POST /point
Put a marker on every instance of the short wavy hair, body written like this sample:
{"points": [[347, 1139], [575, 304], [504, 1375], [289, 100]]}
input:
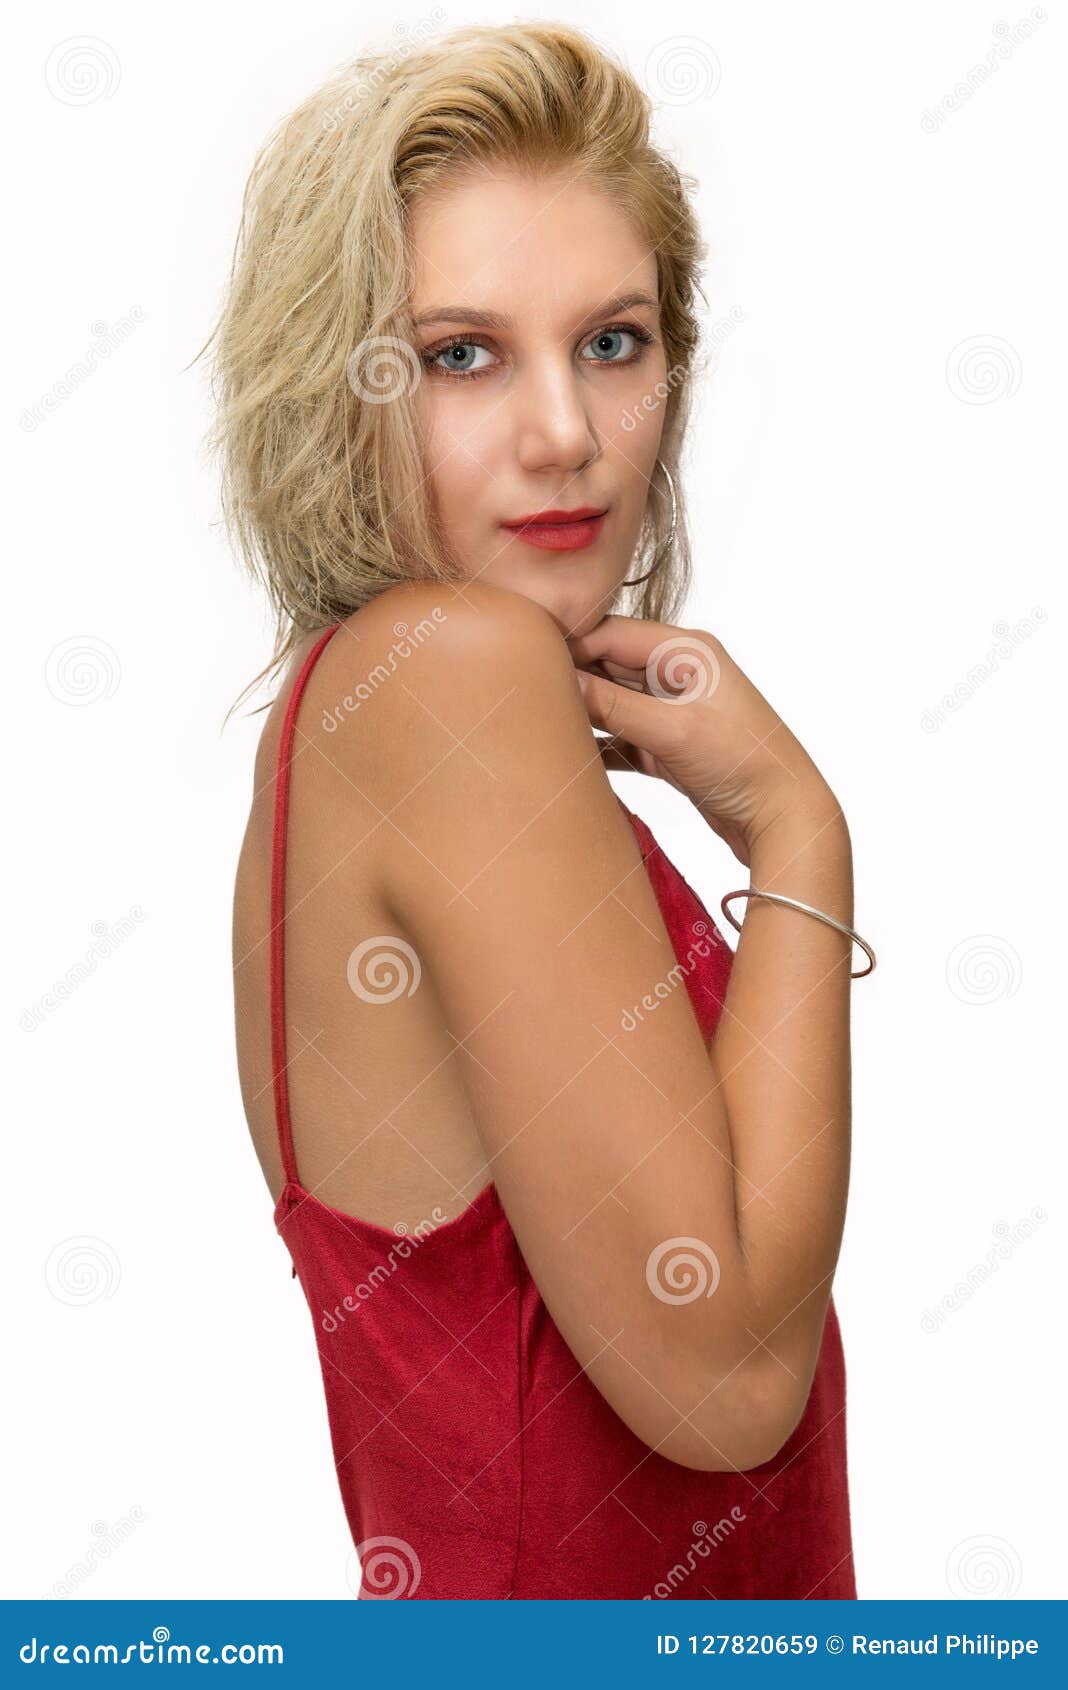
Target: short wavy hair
{"points": [[323, 486]]}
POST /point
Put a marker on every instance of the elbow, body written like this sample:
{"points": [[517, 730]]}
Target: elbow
{"points": [[742, 1450], [749, 1426]]}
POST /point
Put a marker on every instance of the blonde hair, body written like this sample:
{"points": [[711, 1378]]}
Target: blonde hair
{"points": [[324, 490]]}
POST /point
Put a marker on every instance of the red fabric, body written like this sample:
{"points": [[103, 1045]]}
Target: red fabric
{"points": [[475, 1458]]}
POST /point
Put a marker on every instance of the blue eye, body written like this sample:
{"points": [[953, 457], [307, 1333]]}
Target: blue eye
{"points": [[455, 360], [455, 357], [610, 335]]}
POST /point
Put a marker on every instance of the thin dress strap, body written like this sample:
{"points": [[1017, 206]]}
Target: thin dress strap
{"points": [[278, 912]]}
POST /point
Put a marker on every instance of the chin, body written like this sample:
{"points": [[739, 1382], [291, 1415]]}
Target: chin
{"points": [[575, 609], [586, 610], [571, 619]]}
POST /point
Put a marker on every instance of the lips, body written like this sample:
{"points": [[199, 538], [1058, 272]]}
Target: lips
{"points": [[540, 519], [559, 530]]}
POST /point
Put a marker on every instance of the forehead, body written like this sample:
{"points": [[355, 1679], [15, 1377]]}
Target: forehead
{"points": [[525, 245]]}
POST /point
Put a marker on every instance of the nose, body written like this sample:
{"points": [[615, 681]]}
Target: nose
{"points": [[554, 428]]}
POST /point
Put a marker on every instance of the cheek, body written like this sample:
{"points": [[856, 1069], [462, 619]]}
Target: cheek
{"points": [[635, 452], [454, 466], [632, 417]]}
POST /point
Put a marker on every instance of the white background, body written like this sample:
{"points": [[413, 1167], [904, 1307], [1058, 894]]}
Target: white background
{"points": [[873, 505]]}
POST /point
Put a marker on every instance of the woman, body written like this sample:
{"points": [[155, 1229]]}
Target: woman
{"points": [[563, 1182]]}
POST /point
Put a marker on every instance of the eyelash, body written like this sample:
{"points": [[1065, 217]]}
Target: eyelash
{"points": [[431, 354]]}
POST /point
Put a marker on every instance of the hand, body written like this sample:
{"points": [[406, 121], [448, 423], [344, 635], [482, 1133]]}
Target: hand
{"points": [[679, 707]]}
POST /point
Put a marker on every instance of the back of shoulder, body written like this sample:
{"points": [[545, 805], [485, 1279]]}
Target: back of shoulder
{"points": [[472, 723], [456, 646]]}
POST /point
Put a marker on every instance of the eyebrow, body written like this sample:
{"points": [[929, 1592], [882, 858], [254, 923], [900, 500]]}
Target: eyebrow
{"points": [[497, 319]]}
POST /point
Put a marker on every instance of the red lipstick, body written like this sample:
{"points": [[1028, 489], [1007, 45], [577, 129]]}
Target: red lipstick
{"points": [[559, 530]]}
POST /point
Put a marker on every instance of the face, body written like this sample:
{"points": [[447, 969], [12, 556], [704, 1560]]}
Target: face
{"points": [[536, 359]]}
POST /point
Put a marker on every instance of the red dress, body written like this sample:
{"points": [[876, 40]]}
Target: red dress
{"points": [[475, 1457]]}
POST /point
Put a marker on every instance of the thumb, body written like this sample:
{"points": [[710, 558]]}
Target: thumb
{"points": [[616, 752], [625, 713]]}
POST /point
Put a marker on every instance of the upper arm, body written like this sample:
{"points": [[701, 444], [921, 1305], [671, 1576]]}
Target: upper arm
{"points": [[514, 873]]}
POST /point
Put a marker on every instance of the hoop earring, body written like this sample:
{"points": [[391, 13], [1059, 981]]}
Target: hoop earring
{"points": [[669, 542]]}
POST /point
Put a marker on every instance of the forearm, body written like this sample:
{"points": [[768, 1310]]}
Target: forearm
{"points": [[781, 1053]]}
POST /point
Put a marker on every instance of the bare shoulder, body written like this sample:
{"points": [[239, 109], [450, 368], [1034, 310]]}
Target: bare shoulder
{"points": [[444, 637], [418, 682], [414, 610], [428, 707]]}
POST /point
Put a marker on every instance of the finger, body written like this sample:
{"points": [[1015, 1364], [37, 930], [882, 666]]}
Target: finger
{"points": [[619, 754], [625, 639], [620, 673], [669, 659], [649, 724], [609, 671], [622, 678]]}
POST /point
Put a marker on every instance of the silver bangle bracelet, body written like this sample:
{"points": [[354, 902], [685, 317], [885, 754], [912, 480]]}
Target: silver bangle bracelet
{"points": [[795, 903]]}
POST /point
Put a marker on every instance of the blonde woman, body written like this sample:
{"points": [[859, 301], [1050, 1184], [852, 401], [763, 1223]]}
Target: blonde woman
{"points": [[563, 1178]]}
